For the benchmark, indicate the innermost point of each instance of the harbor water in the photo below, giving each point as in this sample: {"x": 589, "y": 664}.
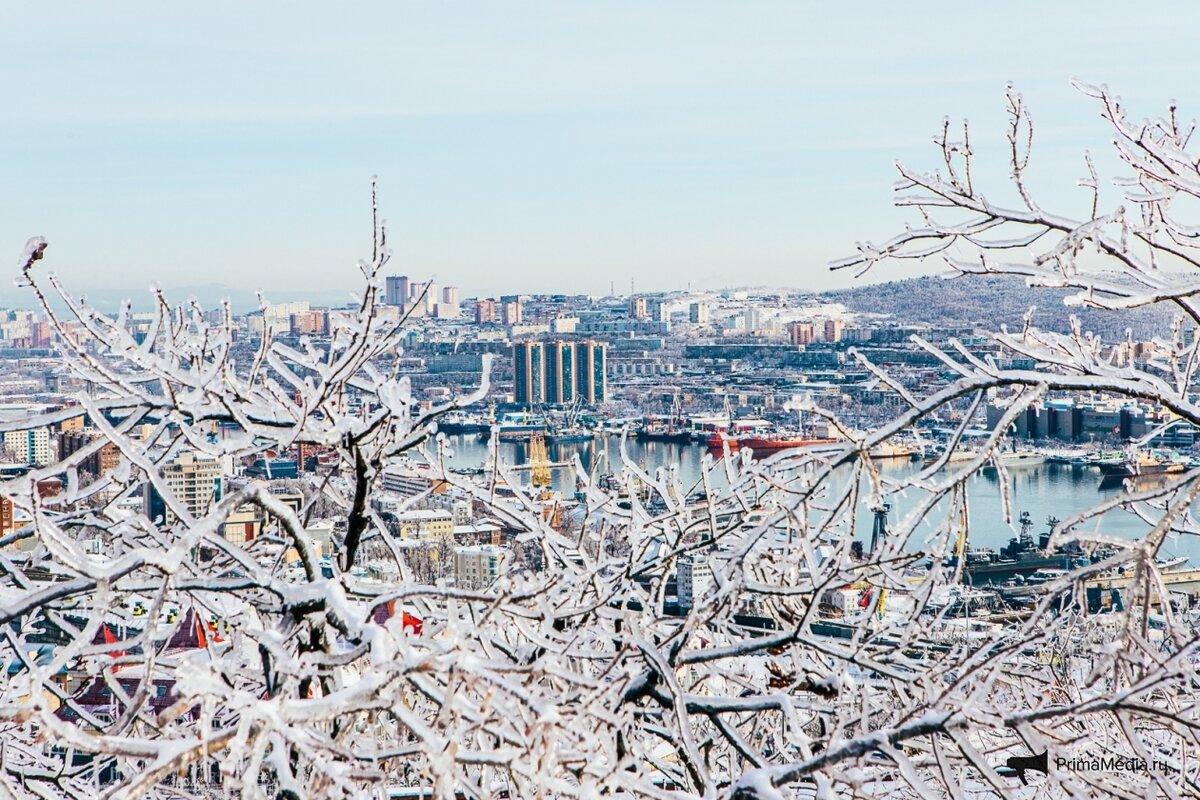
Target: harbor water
{"x": 1044, "y": 490}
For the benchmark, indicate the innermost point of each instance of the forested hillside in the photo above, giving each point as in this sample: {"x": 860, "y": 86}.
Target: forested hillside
{"x": 992, "y": 300}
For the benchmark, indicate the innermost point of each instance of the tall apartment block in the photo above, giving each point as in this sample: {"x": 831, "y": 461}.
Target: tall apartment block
{"x": 591, "y": 372}
{"x": 196, "y": 481}
{"x": 510, "y": 312}
{"x": 801, "y": 333}
{"x": 485, "y": 311}
{"x": 560, "y": 373}
{"x": 396, "y": 293}
{"x": 529, "y": 373}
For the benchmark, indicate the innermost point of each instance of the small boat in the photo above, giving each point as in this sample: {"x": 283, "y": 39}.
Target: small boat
{"x": 1020, "y": 458}
{"x": 569, "y": 436}
{"x": 957, "y": 455}
{"x": 1045, "y": 575}
{"x": 895, "y": 450}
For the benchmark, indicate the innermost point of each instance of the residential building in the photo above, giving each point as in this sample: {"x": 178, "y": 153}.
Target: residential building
{"x": 419, "y": 302}
{"x": 30, "y": 446}
{"x": 410, "y": 484}
{"x": 107, "y": 457}
{"x": 313, "y": 322}
{"x": 485, "y": 311}
{"x": 510, "y": 312}
{"x": 560, "y": 372}
{"x": 425, "y": 523}
{"x": 591, "y": 372}
{"x": 247, "y": 522}
{"x": 6, "y": 516}
{"x": 194, "y": 479}
{"x": 396, "y": 293}
{"x": 529, "y": 373}
{"x": 693, "y": 577}
{"x": 478, "y": 566}
{"x": 801, "y": 333}
{"x": 833, "y": 330}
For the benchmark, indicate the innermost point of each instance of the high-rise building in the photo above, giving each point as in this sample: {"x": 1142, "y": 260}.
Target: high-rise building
{"x": 698, "y": 313}
{"x": 591, "y": 372}
{"x": 447, "y": 307}
{"x": 693, "y": 578}
{"x": 106, "y": 458}
{"x": 309, "y": 322}
{"x": 560, "y": 373}
{"x": 529, "y": 373}
{"x": 510, "y": 312}
{"x": 418, "y": 297}
{"x": 277, "y": 318}
{"x": 30, "y": 446}
{"x": 833, "y": 330}
{"x": 485, "y": 311}
{"x": 801, "y": 333}
{"x": 658, "y": 310}
{"x": 397, "y": 290}
{"x": 637, "y": 308}
{"x": 196, "y": 481}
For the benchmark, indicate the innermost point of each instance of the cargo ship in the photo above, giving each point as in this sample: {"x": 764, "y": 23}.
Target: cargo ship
{"x": 669, "y": 428}
{"x": 455, "y": 424}
{"x": 662, "y": 435}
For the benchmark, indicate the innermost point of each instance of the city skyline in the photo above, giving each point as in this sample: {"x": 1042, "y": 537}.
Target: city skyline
{"x": 524, "y": 149}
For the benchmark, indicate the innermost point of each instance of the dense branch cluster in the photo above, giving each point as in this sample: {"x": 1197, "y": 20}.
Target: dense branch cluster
{"x": 148, "y": 655}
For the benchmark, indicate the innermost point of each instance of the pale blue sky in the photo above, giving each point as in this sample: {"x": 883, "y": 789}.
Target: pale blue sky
{"x": 525, "y": 146}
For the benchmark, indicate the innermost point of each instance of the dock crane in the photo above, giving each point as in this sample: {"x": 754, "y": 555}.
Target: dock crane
{"x": 539, "y": 460}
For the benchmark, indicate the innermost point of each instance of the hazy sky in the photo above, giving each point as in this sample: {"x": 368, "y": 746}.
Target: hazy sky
{"x": 526, "y": 146}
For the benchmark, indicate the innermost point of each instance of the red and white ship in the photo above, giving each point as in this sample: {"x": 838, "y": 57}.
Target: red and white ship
{"x": 765, "y": 443}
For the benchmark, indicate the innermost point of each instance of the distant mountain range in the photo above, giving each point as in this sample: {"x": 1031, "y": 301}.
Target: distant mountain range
{"x": 990, "y": 301}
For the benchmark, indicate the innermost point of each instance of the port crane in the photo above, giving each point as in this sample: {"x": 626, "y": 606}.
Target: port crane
{"x": 539, "y": 460}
